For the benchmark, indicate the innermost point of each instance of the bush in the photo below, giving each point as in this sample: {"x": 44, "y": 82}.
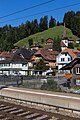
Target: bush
{"x": 50, "y": 85}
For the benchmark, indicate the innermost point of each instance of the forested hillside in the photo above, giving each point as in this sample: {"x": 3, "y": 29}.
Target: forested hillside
{"x": 41, "y": 37}
{"x": 72, "y": 21}
{"x": 10, "y": 36}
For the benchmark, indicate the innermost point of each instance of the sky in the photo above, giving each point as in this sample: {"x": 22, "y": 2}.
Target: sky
{"x": 8, "y": 7}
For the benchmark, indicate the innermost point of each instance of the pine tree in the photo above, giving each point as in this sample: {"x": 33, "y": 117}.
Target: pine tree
{"x": 43, "y": 25}
{"x": 52, "y": 22}
{"x": 57, "y": 42}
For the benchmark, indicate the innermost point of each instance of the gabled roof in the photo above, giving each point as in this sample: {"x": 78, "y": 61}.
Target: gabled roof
{"x": 78, "y": 39}
{"x": 12, "y": 57}
{"x": 46, "y": 54}
{"x": 63, "y": 45}
{"x": 49, "y": 40}
{"x": 70, "y": 65}
{"x": 64, "y": 38}
{"x": 26, "y": 53}
{"x": 17, "y": 58}
{"x": 36, "y": 45}
{"x": 72, "y": 52}
{"x": 5, "y": 54}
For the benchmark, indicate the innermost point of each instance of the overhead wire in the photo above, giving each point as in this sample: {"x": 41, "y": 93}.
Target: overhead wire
{"x": 26, "y": 9}
{"x": 42, "y": 12}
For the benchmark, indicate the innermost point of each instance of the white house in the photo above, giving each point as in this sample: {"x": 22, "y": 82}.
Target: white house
{"x": 63, "y": 46}
{"x": 78, "y": 40}
{"x": 12, "y": 64}
{"x": 65, "y": 57}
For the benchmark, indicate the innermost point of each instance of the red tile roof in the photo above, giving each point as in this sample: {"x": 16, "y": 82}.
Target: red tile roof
{"x": 72, "y": 52}
{"x": 5, "y": 54}
{"x": 49, "y": 40}
{"x": 11, "y": 57}
{"x": 46, "y": 54}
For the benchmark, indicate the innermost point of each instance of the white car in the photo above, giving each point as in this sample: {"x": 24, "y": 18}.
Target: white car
{"x": 76, "y": 91}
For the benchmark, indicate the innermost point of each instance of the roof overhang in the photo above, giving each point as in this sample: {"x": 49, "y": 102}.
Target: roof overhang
{"x": 70, "y": 65}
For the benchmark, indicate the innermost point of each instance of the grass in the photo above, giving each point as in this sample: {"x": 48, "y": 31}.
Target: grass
{"x": 50, "y": 33}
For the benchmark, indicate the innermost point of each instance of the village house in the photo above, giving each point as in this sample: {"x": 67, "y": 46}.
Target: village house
{"x": 49, "y": 44}
{"x": 65, "y": 57}
{"x": 74, "y": 69}
{"x": 65, "y": 40}
{"x": 63, "y": 45}
{"x": 49, "y": 57}
{"x": 78, "y": 40}
{"x": 12, "y": 64}
{"x": 49, "y": 41}
{"x": 35, "y": 47}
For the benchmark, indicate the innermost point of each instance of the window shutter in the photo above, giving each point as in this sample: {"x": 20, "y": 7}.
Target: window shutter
{"x": 74, "y": 70}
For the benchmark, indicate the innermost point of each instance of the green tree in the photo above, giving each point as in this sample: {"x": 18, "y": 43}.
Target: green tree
{"x": 42, "y": 41}
{"x": 30, "y": 42}
{"x": 40, "y": 65}
{"x": 56, "y": 44}
{"x": 72, "y": 21}
{"x": 22, "y": 31}
{"x": 50, "y": 85}
{"x": 71, "y": 45}
{"x": 43, "y": 25}
{"x": 52, "y": 22}
{"x": 28, "y": 28}
{"x": 35, "y": 27}
{"x": 68, "y": 19}
{"x": 45, "y": 22}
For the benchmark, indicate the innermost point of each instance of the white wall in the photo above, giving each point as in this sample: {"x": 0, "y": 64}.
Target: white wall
{"x": 16, "y": 66}
{"x": 65, "y": 42}
{"x": 62, "y": 63}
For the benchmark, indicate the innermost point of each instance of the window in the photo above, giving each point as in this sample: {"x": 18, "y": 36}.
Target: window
{"x": 69, "y": 59}
{"x": 65, "y": 54}
{"x": 1, "y": 65}
{"x": 77, "y": 82}
{"x": 62, "y": 59}
{"x": 78, "y": 70}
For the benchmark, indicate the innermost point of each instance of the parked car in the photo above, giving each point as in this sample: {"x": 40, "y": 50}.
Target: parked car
{"x": 76, "y": 91}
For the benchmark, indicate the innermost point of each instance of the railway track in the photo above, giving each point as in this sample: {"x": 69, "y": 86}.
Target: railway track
{"x": 12, "y": 111}
{"x": 22, "y": 104}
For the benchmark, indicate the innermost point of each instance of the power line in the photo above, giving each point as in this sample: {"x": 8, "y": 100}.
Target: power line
{"x": 26, "y": 9}
{"x": 42, "y": 12}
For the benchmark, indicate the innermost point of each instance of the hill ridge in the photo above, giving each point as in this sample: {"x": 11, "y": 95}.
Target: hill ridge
{"x": 53, "y": 33}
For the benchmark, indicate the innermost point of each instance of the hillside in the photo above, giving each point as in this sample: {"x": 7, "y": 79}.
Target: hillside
{"x": 50, "y": 33}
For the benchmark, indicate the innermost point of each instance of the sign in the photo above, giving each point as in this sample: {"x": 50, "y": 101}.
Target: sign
{"x": 68, "y": 75}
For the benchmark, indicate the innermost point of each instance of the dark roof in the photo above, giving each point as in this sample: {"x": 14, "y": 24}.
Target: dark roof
{"x": 47, "y": 54}
{"x": 13, "y": 58}
{"x": 64, "y": 38}
{"x": 70, "y": 65}
{"x": 78, "y": 39}
{"x": 26, "y": 53}
{"x": 36, "y": 45}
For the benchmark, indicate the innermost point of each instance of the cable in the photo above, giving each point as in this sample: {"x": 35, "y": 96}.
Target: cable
{"x": 42, "y": 12}
{"x": 26, "y": 9}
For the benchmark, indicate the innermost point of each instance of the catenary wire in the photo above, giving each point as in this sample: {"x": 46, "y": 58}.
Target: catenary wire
{"x": 26, "y": 9}
{"x": 42, "y": 12}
